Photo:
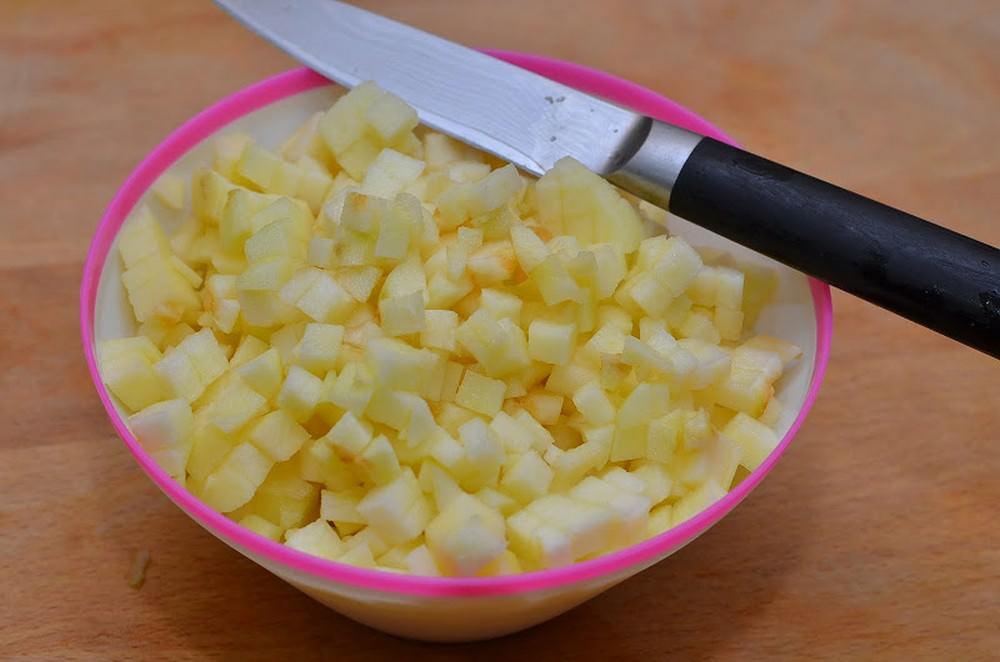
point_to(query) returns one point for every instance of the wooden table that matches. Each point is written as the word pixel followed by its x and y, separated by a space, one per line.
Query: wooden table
pixel 876 537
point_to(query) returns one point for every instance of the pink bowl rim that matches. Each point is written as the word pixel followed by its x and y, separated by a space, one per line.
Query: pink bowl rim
pixel 296 81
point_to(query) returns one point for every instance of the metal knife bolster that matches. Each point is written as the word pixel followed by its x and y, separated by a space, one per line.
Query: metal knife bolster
pixel 651 170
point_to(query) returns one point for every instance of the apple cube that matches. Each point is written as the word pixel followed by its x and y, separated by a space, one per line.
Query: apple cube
pixel 141 237
pixel 398 366
pixel 390 117
pixel 349 436
pixel 236 405
pixel 569 378
pixel 341 507
pixel 316 538
pixel 480 393
pixel 656 477
pixel 574 200
pixel 397 511
pixel 277 239
pixel 278 435
pixel 378 461
pixel 209 193
pixel 631 510
pixel 403 315
pixel 554 282
pixel 590 527
pixel 483 455
pixel 493 263
pixel 319 347
pixel 571 466
pixel 528 478
pixel 663 436
pixel 786 351
pixel 420 561
pixel 164 431
pixel 550 342
pixel 300 393
pixel 498 501
pixel 284 498
pixel 611 269
pixel 696 501
pixel 261 527
pixel 772 413
pixel 390 173
pixel 127 368
pixel 700 326
pixel 543 407
pixel 466 536
pixel 234 482
pixel 351 390
pixel 538 542
pixel 325 300
pixel 756 439
pixel 594 404
pixel 439 483
pixel 359 282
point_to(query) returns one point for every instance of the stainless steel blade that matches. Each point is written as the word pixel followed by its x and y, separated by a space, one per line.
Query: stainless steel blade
pixel 515 114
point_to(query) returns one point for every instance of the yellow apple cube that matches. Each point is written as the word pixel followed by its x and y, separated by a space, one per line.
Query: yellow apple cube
pixel 261 527
pixel 127 368
pixel 483 455
pixel 316 538
pixel 403 315
pixel 236 405
pixel 300 393
pixel 756 439
pixel 466 536
pixel 594 404
pixel 528 478
pixel 234 482
pixel 696 501
pixel 350 436
pixel 397 511
pixel 550 342
pixel 571 466
pixel 480 393
pixel 543 407
pixel 164 431
pixel 352 389
pixel 663 436
pixel 390 173
pixel 378 461
pixel 319 347
pixel 278 435
pixel 359 282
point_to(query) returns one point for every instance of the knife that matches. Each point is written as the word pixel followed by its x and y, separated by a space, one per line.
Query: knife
pixel 931 275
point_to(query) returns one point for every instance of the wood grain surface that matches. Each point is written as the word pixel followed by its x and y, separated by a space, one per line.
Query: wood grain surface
pixel 875 538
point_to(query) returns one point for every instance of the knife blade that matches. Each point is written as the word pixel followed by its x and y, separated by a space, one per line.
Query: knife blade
pixel 517 115
pixel 924 272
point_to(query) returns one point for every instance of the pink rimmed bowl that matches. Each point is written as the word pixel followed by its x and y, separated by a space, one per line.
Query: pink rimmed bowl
pixel 442 609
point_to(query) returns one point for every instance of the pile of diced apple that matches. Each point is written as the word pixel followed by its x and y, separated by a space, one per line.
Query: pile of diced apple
pixel 381 347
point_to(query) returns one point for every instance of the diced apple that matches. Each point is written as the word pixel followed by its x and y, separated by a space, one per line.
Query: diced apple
pixel 316 538
pixel 234 482
pixel 278 435
pixel 466 536
pixel 164 431
pixel 300 393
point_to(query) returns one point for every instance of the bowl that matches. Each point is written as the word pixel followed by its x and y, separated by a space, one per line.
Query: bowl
pixel 435 608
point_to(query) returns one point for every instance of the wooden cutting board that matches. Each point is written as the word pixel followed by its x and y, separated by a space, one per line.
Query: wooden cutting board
pixel 876 536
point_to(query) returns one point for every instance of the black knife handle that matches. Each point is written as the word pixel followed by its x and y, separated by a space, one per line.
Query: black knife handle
pixel 938 278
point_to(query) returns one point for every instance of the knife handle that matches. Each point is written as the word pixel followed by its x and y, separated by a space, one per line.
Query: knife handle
pixel 926 273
